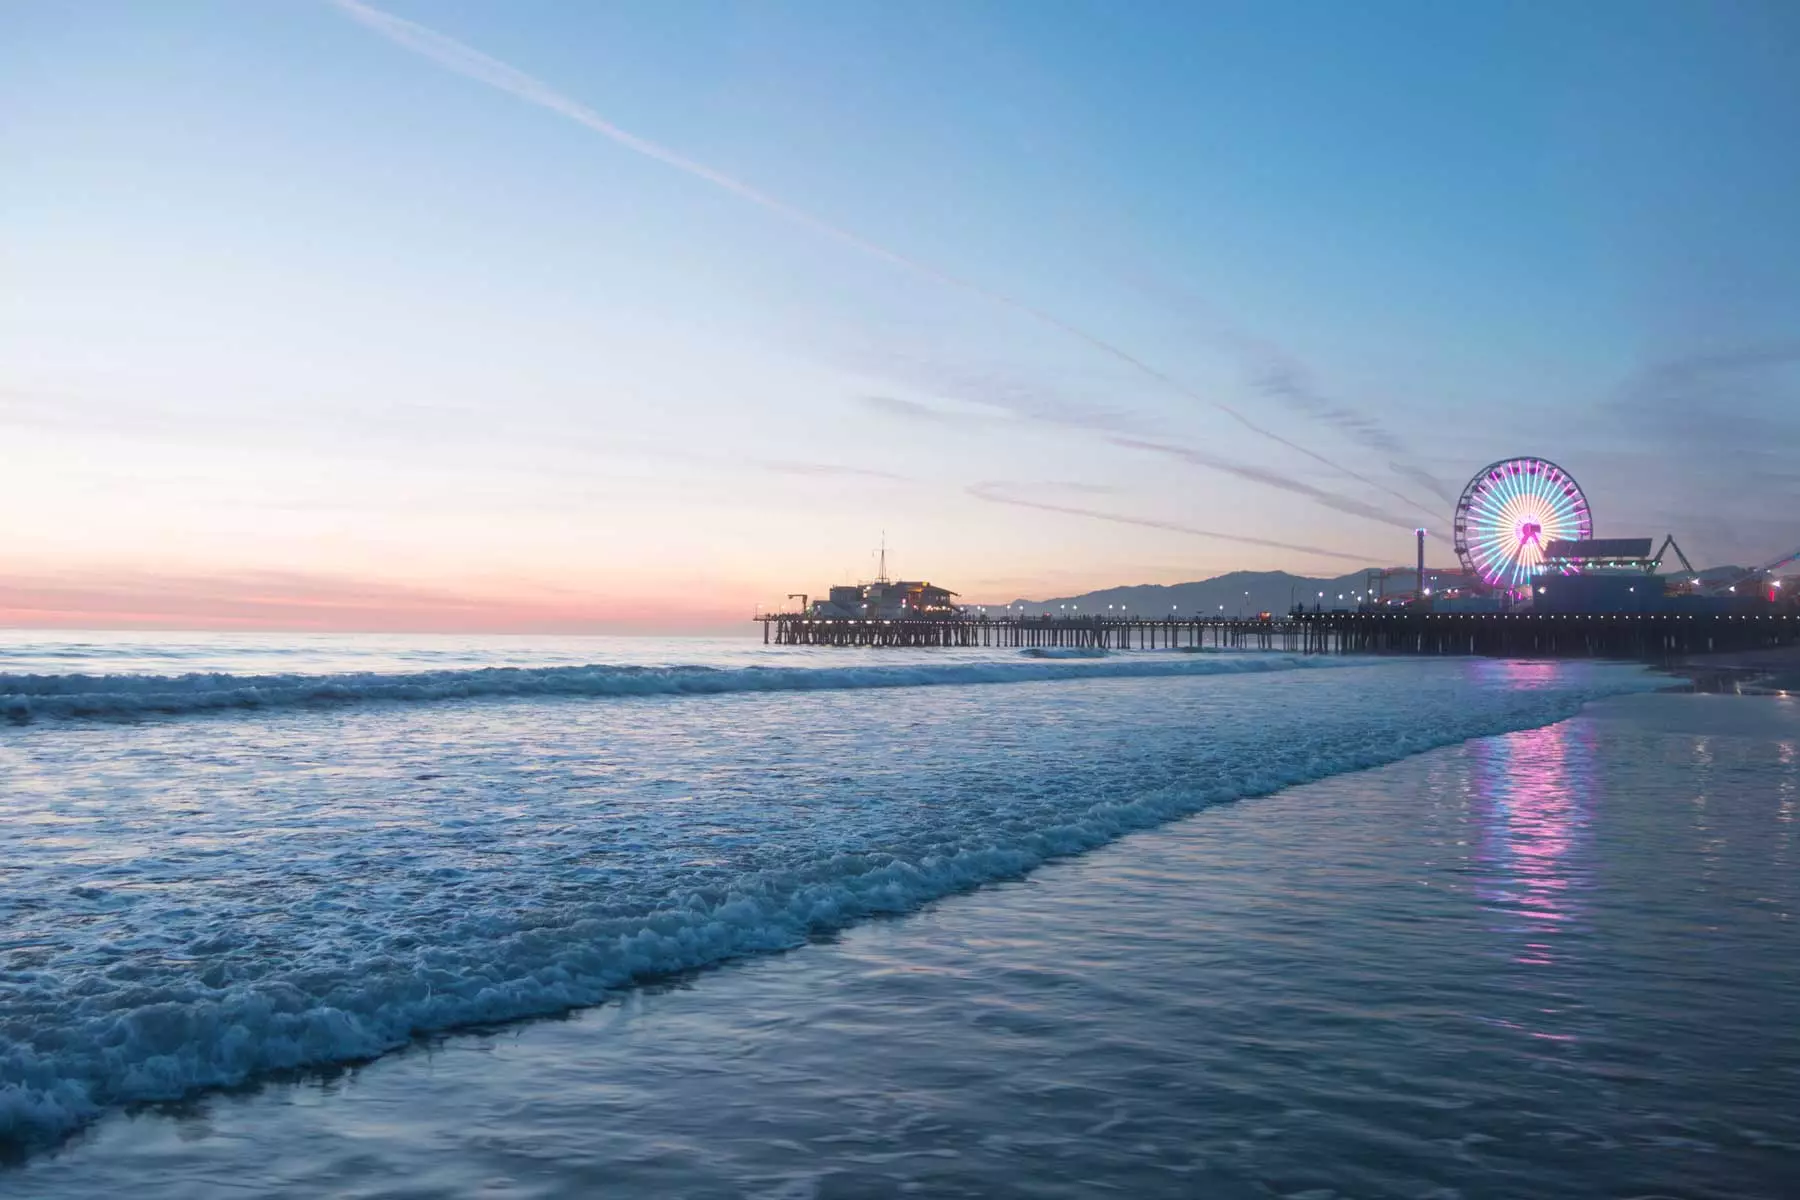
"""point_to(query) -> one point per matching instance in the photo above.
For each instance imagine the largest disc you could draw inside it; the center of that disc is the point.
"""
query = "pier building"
(885, 599)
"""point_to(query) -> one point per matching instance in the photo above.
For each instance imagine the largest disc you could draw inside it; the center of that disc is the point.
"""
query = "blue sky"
(300, 323)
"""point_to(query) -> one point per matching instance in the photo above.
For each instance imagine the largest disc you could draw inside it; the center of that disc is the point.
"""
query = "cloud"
(1723, 425)
(1049, 404)
(828, 470)
(1285, 381)
(1743, 401)
(990, 394)
(1274, 373)
(997, 492)
(1079, 488)
(911, 410)
(1438, 487)
(469, 62)
(1262, 475)
(1277, 375)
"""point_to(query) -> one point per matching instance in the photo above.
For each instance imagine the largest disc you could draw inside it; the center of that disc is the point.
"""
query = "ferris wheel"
(1510, 511)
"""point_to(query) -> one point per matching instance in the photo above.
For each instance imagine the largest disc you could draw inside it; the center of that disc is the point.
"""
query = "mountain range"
(1240, 593)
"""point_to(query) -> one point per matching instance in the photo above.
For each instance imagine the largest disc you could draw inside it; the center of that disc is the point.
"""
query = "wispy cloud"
(1420, 475)
(830, 470)
(985, 394)
(1275, 479)
(911, 410)
(1049, 404)
(1280, 378)
(1078, 488)
(1724, 423)
(998, 492)
(465, 60)
(1276, 374)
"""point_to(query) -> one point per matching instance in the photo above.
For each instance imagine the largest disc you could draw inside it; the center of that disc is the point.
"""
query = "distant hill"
(1245, 592)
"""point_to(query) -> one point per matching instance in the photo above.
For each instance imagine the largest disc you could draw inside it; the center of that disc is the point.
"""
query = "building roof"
(1638, 548)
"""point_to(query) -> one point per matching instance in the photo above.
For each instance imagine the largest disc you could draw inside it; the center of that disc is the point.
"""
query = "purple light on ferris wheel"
(1509, 512)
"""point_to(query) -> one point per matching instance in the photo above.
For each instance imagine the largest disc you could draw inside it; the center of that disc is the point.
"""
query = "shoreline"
(1774, 671)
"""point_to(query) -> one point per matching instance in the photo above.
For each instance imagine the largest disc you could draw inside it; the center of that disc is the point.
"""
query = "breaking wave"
(25, 698)
(326, 924)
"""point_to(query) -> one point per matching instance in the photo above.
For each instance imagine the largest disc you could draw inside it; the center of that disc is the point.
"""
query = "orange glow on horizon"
(307, 603)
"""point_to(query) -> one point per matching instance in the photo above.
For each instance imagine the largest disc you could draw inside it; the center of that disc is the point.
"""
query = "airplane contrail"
(995, 493)
(1268, 478)
(453, 55)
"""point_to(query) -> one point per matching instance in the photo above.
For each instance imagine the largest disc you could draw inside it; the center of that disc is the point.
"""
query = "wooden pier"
(1642, 636)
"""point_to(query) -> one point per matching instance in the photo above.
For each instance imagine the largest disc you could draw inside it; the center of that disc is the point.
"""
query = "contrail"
(994, 494)
(1254, 474)
(1056, 411)
(465, 60)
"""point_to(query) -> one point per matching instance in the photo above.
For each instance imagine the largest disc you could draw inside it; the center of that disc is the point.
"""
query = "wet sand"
(1748, 672)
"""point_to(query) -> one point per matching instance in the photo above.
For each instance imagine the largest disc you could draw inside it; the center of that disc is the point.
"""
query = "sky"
(637, 316)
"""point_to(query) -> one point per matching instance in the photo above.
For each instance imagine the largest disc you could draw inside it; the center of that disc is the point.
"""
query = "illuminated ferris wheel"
(1510, 512)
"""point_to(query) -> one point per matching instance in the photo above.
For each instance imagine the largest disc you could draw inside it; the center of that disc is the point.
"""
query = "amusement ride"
(1510, 513)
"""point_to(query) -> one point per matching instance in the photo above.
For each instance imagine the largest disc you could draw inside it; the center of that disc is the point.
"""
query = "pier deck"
(1651, 636)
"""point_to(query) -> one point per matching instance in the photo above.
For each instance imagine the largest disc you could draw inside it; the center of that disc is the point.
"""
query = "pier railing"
(1650, 636)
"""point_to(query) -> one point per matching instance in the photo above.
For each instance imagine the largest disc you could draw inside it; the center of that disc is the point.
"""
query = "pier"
(1641, 636)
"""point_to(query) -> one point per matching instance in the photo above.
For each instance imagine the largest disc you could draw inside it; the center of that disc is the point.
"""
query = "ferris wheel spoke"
(1511, 512)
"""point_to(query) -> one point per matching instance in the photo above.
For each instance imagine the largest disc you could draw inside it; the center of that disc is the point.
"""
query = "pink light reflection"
(1532, 789)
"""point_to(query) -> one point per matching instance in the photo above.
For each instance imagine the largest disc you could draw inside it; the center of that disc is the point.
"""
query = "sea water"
(371, 843)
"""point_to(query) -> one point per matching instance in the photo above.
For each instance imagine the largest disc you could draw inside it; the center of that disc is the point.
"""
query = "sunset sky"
(467, 315)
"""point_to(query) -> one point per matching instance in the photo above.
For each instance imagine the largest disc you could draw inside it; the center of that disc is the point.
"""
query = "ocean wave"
(26, 698)
(214, 1001)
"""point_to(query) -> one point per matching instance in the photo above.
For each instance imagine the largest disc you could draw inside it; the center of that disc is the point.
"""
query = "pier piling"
(1640, 636)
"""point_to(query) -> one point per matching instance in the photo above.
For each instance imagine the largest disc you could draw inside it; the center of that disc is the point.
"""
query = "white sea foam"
(192, 906)
(25, 698)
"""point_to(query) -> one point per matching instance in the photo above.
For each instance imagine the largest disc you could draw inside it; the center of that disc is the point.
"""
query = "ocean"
(556, 916)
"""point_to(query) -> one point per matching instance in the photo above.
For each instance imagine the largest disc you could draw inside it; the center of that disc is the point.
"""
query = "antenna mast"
(881, 573)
